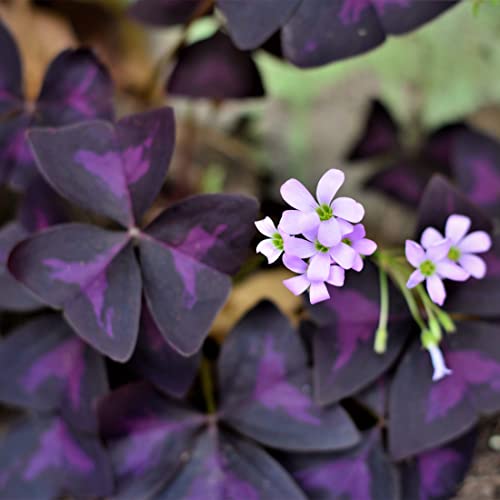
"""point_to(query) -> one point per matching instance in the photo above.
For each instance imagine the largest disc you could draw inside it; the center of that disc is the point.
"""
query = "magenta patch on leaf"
(469, 368)
(66, 363)
(57, 449)
(273, 391)
(134, 163)
(430, 466)
(78, 98)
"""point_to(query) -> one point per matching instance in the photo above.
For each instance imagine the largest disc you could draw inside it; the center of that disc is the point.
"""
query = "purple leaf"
(476, 167)
(46, 458)
(437, 474)
(159, 363)
(440, 145)
(115, 171)
(344, 341)
(164, 12)
(441, 411)
(380, 135)
(375, 397)
(362, 473)
(214, 68)
(11, 96)
(222, 466)
(265, 385)
(45, 367)
(97, 284)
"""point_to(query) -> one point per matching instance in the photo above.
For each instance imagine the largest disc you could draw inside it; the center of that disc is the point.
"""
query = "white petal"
(415, 278)
(296, 222)
(299, 247)
(318, 292)
(430, 236)
(328, 185)
(329, 232)
(451, 271)
(319, 267)
(297, 196)
(456, 227)
(415, 254)
(297, 284)
(343, 255)
(348, 209)
(295, 264)
(476, 242)
(267, 248)
(266, 226)
(435, 289)
(474, 265)
(438, 363)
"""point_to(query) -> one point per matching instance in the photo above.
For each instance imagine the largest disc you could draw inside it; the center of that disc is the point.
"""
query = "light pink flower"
(271, 247)
(323, 213)
(463, 246)
(432, 266)
(361, 245)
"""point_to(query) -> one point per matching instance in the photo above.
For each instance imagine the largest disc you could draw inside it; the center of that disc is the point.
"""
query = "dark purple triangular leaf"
(76, 87)
(321, 32)
(344, 340)
(437, 412)
(91, 274)
(159, 363)
(115, 171)
(46, 367)
(476, 167)
(251, 23)
(380, 134)
(13, 295)
(265, 385)
(362, 473)
(148, 436)
(164, 12)
(45, 458)
(222, 466)
(214, 68)
(375, 397)
(11, 95)
(440, 145)
(437, 474)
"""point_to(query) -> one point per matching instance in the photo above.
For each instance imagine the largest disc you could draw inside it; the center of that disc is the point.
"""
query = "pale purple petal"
(319, 267)
(266, 226)
(430, 237)
(297, 284)
(337, 276)
(365, 246)
(438, 363)
(358, 232)
(297, 196)
(439, 250)
(299, 247)
(329, 232)
(294, 264)
(267, 248)
(456, 227)
(476, 242)
(318, 293)
(345, 227)
(474, 265)
(435, 289)
(415, 278)
(296, 222)
(328, 185)
(343, 255)
(358, 263)
(451, 271)
(348, 209)
(415, 254)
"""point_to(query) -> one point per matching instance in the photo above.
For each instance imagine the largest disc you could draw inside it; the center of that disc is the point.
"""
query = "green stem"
(381, 334)
(207, 385)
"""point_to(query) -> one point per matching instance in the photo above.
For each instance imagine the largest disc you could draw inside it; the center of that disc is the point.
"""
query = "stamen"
(325, 212)
(454, 254)
(320, 248)
(277, 240)
(427, 268)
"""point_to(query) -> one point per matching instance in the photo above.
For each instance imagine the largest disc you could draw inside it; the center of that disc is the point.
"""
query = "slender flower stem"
(381, 334)
(207, 385)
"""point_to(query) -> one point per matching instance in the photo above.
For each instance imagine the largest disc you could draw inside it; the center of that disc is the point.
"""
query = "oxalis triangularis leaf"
(181, 261)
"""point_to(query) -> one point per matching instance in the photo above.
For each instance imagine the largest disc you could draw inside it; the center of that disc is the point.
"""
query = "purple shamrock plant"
(76, 88)
(162, 448)
(93, 275)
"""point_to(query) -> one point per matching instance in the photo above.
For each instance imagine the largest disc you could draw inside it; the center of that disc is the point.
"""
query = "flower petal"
(415, 278)
(328, 185)
(266, 226)
(474, 265)
(451, 271)
(438, 363)
(296, 222)
(266, 247)
(430, 237)
(435, 289)
(345, 227)
(358, 232)
(439, 250)
(415, 254)
(299, 247)
(329, 232)
(297, 284)
(343, 255)
(295, 264)
(319, 267)
(476, 242)
(348, 209)
(358, 264)
(456, 227)
(318, 292)
(365, 246)
(297, 196)
(337, 276)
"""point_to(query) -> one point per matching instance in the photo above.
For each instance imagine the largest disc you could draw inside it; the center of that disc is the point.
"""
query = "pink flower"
(432, 266)
(271, 247)
(361, 245)
(318, 290)
(323, 213)
(463, 246)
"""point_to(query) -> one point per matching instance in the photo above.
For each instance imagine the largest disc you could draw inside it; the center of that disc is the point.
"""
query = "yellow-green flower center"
(427, 268)
(277, 241)
(454, 254)
(325, 212)
(347, 241)
(320, 248)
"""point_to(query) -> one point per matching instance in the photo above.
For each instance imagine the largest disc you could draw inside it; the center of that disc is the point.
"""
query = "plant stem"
(207, 385)
(381, 334)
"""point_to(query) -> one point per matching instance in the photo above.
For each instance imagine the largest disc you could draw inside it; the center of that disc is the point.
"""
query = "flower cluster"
(452, 256)
(333, 238)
